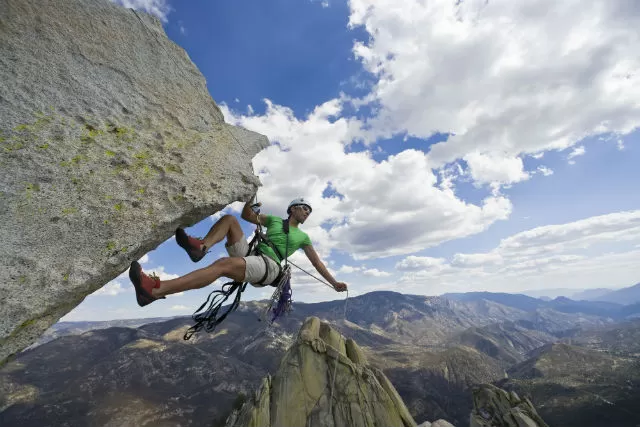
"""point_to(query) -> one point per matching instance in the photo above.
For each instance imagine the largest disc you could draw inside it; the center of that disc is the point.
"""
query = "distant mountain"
(507, 342)
(625, 296)
(519, 301)
(575, 387)
(432, 348)
(550, 293)
(589, 294)
(574, 294)
(596, 308)
(607, 309)
(74, 328)
(620, 339)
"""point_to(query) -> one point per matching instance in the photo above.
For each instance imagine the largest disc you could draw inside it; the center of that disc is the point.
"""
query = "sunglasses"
(305, 208)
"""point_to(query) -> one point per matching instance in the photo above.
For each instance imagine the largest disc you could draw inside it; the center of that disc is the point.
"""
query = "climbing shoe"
(191, 245)
(143, 284)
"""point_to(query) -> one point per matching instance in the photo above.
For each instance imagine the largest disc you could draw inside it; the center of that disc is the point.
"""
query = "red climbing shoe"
(191, 245)
(143, 284)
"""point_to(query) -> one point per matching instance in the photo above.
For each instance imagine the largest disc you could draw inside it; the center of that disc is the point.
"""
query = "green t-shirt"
(275, 233)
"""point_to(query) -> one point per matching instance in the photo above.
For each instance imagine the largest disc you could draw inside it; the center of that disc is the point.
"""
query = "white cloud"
(374, 272)
(577, 254)
(111, 289)
(577, 151)
(181, 308)
(474, 260)
(417, 263)
(235, 207)
(545, 170)
(495, 168)
(143, 260)
(507, 78)
(348, 269)
(503, 81)
(159, 8)
(378, 206)
(162, 274)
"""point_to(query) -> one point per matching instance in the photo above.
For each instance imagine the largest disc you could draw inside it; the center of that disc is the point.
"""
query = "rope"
(209, 318)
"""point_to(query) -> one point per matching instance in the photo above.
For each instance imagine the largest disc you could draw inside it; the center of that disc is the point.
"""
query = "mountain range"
(572, 358)
(625, 296)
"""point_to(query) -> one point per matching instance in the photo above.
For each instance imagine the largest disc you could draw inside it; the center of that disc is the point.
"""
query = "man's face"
(301, 213)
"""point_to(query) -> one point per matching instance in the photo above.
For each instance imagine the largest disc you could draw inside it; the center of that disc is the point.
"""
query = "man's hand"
(340, 287)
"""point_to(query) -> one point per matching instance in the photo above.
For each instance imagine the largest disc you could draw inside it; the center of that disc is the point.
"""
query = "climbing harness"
(280, 303)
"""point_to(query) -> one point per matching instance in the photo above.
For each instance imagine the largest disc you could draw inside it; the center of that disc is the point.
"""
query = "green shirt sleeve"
(268, 221)
(306, 241)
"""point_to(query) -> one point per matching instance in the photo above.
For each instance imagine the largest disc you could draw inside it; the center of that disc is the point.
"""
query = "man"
(238, 266)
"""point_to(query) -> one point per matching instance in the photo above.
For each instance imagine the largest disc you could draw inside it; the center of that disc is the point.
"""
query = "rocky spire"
(495, 407)
(324, 380)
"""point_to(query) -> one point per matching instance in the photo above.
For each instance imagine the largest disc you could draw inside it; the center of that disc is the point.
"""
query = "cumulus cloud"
(489, 168)
(348, 269)
(575, 254)
(158, 8)
(111, 289)
(577, 151)
(420, 263)
(376, 206)
(503, 78)
(235, 207)
(374, 272)
(545, 170)
(159, 271)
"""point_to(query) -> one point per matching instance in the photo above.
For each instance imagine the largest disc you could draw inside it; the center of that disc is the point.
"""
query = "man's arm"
(311, 253)
(249, 215)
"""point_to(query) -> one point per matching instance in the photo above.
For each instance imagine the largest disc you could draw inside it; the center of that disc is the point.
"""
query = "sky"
(446, 146)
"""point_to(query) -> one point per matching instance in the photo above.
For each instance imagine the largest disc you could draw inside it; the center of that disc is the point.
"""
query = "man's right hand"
(340, 287)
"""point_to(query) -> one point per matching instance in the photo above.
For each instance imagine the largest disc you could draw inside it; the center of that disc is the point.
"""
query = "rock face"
(109, 139)
(325, 381)
(494, 407)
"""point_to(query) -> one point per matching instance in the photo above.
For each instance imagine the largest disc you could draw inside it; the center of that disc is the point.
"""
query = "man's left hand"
(340, 287)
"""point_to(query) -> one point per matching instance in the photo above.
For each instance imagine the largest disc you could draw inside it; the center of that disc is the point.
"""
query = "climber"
(258, 269)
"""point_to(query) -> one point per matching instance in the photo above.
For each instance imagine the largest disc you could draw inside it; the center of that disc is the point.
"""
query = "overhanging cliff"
(109, 139)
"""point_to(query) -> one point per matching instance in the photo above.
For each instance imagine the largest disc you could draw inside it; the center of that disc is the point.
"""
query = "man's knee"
(230, 219)
(230, 266)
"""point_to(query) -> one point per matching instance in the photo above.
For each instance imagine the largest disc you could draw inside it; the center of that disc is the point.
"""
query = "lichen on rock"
(109, 140)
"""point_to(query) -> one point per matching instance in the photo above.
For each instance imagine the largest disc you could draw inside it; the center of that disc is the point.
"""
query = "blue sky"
(458, 147)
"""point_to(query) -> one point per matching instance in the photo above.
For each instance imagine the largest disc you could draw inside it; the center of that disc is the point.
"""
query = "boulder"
(495, 407)
(324, 381)
(109, 140)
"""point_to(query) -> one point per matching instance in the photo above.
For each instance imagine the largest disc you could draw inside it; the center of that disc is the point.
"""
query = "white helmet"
(296, 202)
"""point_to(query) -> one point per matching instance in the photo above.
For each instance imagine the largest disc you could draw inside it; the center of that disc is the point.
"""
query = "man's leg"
(228, 227)
(231, 267)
